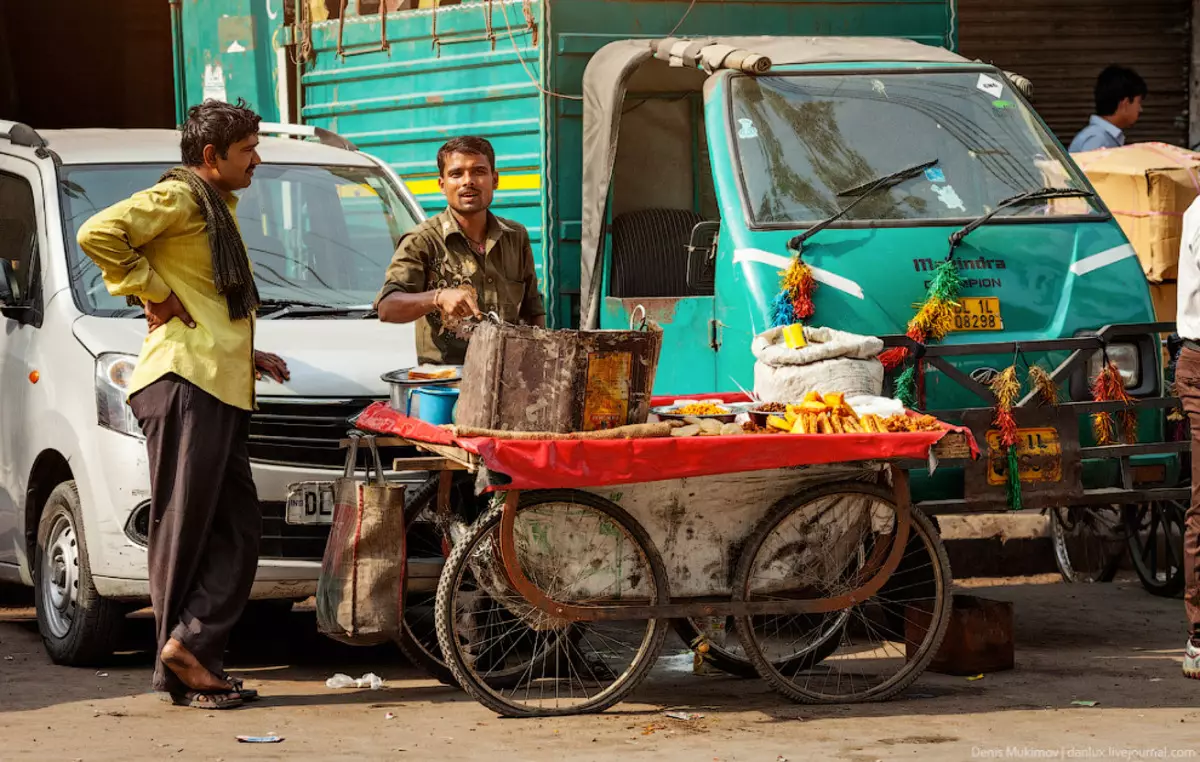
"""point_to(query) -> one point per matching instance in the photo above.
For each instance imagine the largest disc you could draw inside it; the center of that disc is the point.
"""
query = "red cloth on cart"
(556, 464)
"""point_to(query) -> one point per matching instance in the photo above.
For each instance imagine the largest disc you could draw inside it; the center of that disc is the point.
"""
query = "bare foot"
(188, 669)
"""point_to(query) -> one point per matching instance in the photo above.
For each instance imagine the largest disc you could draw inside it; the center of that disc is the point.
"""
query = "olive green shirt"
(436, 254)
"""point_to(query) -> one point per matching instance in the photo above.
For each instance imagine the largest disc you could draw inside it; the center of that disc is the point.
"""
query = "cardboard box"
(1164, 296)
(1148, 187)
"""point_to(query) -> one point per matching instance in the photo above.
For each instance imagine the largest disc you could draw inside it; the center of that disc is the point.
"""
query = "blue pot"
(435, 404)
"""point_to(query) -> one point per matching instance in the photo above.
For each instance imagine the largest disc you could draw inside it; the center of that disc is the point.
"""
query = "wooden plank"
(427, 464)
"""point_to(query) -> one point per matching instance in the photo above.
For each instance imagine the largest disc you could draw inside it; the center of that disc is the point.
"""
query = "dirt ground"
(1113, 644)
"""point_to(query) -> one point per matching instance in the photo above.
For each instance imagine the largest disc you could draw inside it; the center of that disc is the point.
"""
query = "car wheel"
(78, 626)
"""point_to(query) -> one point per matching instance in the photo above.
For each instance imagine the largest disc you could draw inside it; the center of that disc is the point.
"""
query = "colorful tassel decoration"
(1043, 384)
(1110, 387)
(794, 302)
(906, 387)
(1007, 388)
(933, 320)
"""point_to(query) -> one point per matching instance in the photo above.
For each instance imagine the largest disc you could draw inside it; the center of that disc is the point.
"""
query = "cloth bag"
(360, 593)
(833, 361)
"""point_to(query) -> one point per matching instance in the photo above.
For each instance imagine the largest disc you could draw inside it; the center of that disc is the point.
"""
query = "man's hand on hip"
(159, 314)
(272, 365)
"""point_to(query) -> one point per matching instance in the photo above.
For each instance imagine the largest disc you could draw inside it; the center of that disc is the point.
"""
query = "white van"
(320, 222)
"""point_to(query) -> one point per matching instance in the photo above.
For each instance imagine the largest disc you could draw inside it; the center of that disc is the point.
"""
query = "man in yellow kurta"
(176, 250)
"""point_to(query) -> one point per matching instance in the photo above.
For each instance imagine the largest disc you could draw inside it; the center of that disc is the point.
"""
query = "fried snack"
(701, 408)
(824, 426)
(778, 424)
(810, 423)
(771, 407)
(431, 373)
(835, 421)
(851, 426)
(686, 431)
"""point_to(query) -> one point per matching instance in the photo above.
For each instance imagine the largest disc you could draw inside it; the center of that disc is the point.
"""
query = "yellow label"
(359, 190)
(606, 397)
(794, 336)
(1030, 442)
(978, 313)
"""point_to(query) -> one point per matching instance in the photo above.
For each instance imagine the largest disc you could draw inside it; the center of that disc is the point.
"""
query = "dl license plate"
(978, 313)
(1039, 456)
(310, 503)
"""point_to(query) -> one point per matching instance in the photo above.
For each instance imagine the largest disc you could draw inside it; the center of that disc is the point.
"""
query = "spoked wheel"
(1155, 535)
(428, 544)
(824, 543)
(1088, 542)
(518, 661)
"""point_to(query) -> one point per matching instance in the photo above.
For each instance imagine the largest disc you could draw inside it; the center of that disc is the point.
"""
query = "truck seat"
(649, 253)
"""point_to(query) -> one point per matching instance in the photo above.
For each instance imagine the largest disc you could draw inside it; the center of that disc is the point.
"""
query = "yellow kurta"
(156, 243)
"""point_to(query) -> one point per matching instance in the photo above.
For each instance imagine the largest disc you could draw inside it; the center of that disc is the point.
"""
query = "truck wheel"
(78, 627)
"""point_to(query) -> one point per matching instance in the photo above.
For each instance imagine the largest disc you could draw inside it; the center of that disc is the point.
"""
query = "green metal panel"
(229, 50)
(458, 70)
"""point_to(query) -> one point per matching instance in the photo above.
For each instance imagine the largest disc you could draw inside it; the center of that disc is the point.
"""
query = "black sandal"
(207, 699)
(247, 694)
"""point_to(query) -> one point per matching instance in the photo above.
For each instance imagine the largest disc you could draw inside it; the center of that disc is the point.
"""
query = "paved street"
(1112, 644)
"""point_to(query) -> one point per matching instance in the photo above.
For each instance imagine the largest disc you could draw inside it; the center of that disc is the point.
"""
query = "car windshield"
(315, 234)
(806, 144)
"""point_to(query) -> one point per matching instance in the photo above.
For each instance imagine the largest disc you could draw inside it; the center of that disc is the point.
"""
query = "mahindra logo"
(985, 376)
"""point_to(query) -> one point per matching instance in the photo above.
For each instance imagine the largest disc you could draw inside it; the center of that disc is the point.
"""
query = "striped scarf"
(231, 265)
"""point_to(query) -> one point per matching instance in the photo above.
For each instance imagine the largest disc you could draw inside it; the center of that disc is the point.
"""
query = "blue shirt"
(1100, 133)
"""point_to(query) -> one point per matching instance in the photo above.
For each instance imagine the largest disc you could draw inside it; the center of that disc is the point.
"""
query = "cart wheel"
(815, 544)
(1088, 542)
(1155, 532)
(427, 546)
(519, 661)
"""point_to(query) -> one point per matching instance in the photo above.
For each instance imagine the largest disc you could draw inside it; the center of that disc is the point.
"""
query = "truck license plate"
(310, 503)
(1039, 455)
(978, 313)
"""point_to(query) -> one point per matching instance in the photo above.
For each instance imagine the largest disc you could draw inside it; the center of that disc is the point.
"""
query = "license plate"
(1039, 455)
(310, 503)
(978, 313)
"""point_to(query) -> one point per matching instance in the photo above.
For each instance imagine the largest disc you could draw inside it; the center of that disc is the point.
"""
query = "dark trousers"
(205, 521)
(1187, 385)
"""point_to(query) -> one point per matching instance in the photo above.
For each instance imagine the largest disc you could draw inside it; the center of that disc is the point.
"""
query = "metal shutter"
(1061, 45)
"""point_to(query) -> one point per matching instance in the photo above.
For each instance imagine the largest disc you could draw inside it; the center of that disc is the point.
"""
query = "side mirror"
(10, 287)
(702, 257)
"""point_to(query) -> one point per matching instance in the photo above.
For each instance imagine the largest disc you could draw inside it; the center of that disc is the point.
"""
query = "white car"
(320, 222)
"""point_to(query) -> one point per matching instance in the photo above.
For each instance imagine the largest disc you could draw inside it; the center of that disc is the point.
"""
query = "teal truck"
(675, 155)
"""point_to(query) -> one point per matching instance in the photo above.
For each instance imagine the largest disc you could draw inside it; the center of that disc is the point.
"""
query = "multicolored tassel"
(1110, 387)
(1043, 384)
(932, 321)
(1007, 388)
(794, 302)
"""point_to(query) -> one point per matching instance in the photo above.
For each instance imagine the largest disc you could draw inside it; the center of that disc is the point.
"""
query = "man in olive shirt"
(176, 250)
(464, 245)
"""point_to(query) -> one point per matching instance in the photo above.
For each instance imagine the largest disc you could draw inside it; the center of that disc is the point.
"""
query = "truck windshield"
(315, 234)
(801, 140)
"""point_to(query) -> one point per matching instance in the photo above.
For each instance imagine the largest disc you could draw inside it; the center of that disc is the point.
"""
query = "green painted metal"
(228, 49)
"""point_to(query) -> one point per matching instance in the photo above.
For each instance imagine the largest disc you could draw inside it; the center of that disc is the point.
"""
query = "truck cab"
(320, 223)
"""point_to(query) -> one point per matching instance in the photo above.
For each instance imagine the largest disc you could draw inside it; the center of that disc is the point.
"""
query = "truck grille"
(302, 432)
(281, 540)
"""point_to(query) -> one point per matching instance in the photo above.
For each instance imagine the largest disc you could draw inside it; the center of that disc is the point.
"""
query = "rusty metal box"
(978, 640)
(522, 378)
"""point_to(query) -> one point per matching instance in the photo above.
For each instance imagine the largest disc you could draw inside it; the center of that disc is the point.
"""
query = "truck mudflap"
(1050, 451)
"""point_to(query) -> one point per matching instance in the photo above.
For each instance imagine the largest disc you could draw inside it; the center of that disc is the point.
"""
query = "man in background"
(1119, 95)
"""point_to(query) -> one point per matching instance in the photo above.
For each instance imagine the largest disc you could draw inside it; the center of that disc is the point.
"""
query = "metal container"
(522, 378)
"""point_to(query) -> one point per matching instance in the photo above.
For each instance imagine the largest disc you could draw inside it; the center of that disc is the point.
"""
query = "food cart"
(799, 555)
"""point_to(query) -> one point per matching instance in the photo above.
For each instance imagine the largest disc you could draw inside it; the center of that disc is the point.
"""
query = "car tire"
(78, 626)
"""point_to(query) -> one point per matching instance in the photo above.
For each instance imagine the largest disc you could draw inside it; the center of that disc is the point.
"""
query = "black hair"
(1115, 84)
(466, 144)
(218, 124)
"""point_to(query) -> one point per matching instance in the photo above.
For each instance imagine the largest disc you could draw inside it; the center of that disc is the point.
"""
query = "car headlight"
(113, 372)
(1125, 357)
